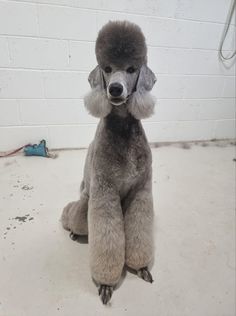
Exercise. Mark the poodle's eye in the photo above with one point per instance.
(130, 70)
(108, 69)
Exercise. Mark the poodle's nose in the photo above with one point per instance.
(115, 89)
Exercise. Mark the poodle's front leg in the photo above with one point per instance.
(139, 233)
(106, 239)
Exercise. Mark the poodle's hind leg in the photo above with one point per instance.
(74, 217)
(106, 240)
(139, 250)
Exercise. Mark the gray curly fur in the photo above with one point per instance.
(121, 42)
(116, 206)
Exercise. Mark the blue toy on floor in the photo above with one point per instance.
(32, 150)
(37, 150)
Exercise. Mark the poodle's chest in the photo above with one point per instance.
(131, 168)
(135, 164)
(121, 153)
(125, 168)
(133, 174)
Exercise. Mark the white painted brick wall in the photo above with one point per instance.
(47, 52)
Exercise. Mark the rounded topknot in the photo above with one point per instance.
(121, 43)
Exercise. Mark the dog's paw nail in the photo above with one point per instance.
(73, 236)
(105, 292)
(145, 275)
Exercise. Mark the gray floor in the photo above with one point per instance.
(42, 272)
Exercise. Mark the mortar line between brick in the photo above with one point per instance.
(41, 37)
(43, 70)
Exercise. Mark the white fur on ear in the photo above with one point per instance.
(96, 102)
(141, 104)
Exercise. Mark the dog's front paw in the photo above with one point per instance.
(144, 274)
(105, 292)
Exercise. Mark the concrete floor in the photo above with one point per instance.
(43, 272)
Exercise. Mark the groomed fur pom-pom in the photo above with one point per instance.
(96, 103)
(141, 104)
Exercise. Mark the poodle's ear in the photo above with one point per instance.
(142, 103)
(96, 100)
(146, 79)
(95, 78)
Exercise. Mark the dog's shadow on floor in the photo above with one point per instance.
(75, 269)
(82, 239)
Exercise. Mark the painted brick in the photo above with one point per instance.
(9, 112)
(177, 33)
(58, 84)
(51, 42)
(175, 8)
(54, 112)
(67, 23)
(18, 18)
(14, 137)
(202, 86)
(213, 10)
(160, 8)
(190, 61)
(104, 17)
(82, 56)
(169, 87)
(56, 2)
(217, 109)
(39, 53)
(193, 109)
(225, 129)
(229, 87)
(4, 53)
(16, 84)
(71, 136)
(159, 59)
(175, 131)
(175, 110)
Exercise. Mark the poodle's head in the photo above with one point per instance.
(122, 75)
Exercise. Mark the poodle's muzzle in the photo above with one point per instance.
(117, 88)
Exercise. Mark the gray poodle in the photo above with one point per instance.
(115, 208)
